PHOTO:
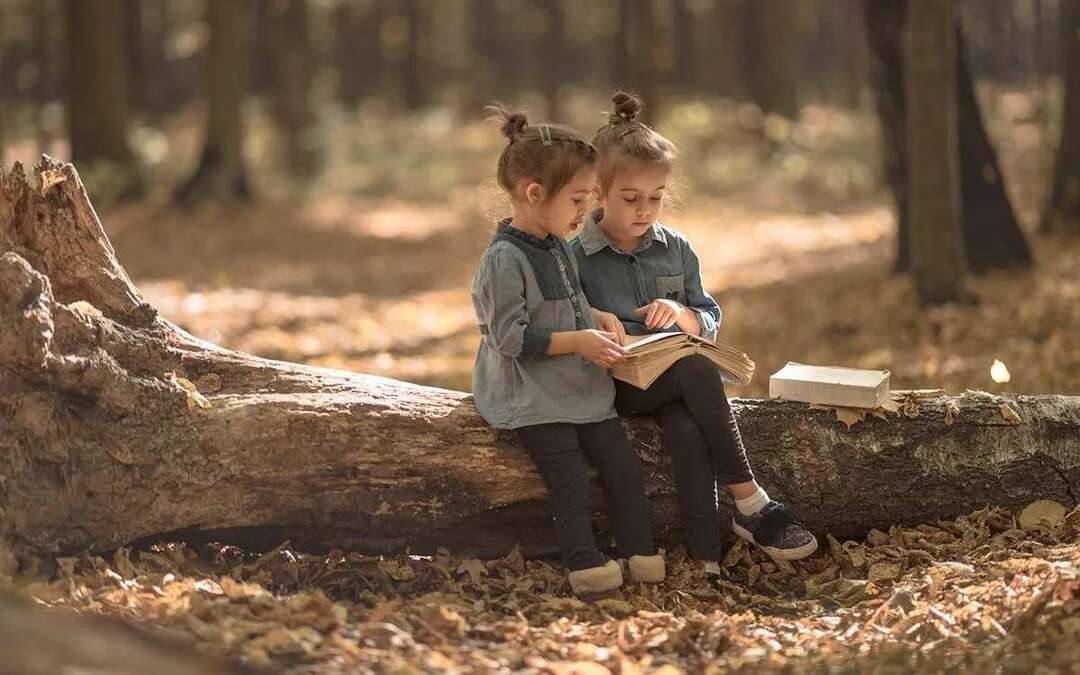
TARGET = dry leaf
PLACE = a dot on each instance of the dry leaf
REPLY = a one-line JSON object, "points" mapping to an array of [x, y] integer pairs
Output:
{"points": [[194, 398], [999, 373], [85, 308], [1042, 512], [952, 411], [1010, 414], [475, 569], [884, 571], [51, 178]]}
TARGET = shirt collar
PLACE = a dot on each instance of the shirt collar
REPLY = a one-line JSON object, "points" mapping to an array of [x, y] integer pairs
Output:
{"points": [[593, 239], [506, 229]]}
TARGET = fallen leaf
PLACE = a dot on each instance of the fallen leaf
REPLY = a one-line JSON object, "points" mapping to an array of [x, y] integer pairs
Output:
{"points": [[1042, 512], [884, 571], [475, 569], [1010, 414], [85, 308], [952, 411], [999, 373], [194, 398]]}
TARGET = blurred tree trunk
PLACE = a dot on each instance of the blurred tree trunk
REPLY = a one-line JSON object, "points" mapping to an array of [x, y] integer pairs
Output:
{"points": [[97, 86], [550, 55], [289, 43], [937, 243], [1063, 211], [358, 53], [726, 49], [47, 88], [642, 50], [147, 35], [412, 80], [621, 71], [992, 236], [221, 174], [884, 20], [685, 37], [771, 44]]}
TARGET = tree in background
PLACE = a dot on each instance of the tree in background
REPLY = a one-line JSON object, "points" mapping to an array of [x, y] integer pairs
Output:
{"points": [[221, 174], [289, 50], [937, 243], [1063, 211], [97, 88], [358, 57], [992, 236]]}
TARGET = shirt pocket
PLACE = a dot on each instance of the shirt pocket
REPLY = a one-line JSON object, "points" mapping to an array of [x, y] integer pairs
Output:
{"points": [[670, 287]]}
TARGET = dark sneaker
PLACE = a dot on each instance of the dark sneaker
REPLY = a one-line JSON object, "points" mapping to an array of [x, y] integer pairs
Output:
{"points": [[773, 530]]}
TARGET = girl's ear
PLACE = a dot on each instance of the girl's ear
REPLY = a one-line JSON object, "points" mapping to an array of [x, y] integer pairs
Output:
{"points": [[535, 193]]}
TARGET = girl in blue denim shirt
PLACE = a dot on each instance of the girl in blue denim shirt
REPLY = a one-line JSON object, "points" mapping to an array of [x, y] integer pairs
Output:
{"points": [[648, 276], [541, 367]]}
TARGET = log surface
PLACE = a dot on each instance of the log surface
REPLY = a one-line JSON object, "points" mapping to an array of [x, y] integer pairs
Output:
{"points": [[100, 446]]}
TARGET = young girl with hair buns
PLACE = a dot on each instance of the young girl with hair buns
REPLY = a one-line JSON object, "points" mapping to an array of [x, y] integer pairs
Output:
{"points": [[648, 275], [541, 367]]}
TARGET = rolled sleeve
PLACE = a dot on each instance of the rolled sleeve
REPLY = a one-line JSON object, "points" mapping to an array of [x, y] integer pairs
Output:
{"points": [[499, 300], [697, 298]]}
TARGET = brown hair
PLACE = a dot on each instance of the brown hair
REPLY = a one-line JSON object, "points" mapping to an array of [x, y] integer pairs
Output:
{"points": [[548, 154], [624, 138]]}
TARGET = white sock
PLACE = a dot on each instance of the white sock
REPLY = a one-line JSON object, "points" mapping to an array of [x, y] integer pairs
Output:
{"points": [[754, 503]]}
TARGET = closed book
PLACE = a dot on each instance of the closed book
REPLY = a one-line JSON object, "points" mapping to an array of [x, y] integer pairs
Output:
{"points": [[830, 385]]}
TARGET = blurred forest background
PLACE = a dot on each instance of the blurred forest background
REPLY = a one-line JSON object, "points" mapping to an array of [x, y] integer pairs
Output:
{"points": [[313, 181]]}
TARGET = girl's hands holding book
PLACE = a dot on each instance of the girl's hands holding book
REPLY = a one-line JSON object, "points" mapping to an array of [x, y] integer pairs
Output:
{"points": [[610, 323], [599, 347]]}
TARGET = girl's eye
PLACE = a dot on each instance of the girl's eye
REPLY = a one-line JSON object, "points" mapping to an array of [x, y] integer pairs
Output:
{"points": [[629, 200], [654, 199]]}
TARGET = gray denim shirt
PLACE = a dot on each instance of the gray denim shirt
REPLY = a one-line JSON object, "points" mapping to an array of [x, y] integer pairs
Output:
{"points": [[525, 289], [664, 265]]}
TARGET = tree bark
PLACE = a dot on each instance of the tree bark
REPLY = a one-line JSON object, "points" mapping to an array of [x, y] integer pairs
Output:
{"points": [[548, 55], [1063, 211], [938, 259], [101, 445], [221, 174], [772, 57], [992, 236]]}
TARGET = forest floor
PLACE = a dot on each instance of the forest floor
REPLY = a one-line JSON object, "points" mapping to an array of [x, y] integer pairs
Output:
{"points": [[800, 260]]}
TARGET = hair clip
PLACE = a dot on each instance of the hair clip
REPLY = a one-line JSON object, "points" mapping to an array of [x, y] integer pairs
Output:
{"points": [[545, 134]]}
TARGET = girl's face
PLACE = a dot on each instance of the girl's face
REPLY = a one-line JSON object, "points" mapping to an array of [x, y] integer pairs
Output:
{"points": [[565, 210], [633, 201]]}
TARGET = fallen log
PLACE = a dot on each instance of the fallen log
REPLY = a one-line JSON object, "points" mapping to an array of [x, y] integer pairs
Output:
{"points": [[117, 425], [40, 642]]}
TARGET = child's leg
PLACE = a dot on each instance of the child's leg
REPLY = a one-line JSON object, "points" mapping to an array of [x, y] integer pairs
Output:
{"points": [[694, 480], [696, 382], [608, 449], [557, 453]]}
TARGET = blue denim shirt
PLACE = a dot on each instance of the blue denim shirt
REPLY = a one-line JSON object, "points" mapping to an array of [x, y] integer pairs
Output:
{"points": [[525, 289], [664, 265]]}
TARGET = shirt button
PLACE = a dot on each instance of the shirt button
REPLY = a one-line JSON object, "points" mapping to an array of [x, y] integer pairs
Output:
{"points": [[577, 314]]}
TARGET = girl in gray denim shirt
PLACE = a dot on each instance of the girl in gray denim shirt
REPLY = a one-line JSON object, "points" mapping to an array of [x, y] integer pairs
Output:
{"points": [[541, 367], [648, 275]]}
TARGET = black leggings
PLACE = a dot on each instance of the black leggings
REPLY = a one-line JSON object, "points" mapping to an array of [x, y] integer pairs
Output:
{"points": [[562, 453], [700, 432]]}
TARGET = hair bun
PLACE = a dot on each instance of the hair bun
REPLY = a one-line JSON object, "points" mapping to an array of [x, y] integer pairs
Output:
{"points": [[511, 123], [627, 107]]}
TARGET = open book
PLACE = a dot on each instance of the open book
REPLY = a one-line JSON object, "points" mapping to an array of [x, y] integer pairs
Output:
{"points": [[651, 355]]}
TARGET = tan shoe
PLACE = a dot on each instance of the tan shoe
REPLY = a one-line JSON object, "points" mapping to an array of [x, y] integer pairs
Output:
{"points": [[591, 580], [647, 568]]}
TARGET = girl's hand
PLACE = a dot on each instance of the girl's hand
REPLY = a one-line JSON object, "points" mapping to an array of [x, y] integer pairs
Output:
{"points": [[661, 313], [610, 323], [599, 347]]}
